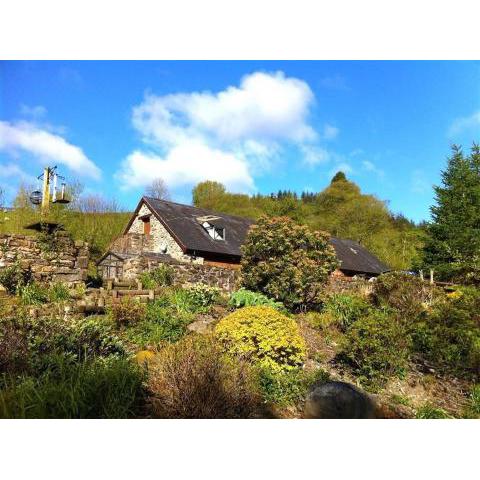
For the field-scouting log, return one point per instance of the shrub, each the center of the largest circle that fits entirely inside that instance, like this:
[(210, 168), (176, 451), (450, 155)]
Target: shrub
[(429, 411), (473, 408), (33, 294), (287, 262), (346, 308), (406, 293), (58, 292), (192, 379), (450, 335), (288, 388), (14, 348), (162, 324), (14, 277), (246, 298), (100, 388), (264, 336), (320, 320), (202, 295), (377, 347), (161, 276), (127, 311)]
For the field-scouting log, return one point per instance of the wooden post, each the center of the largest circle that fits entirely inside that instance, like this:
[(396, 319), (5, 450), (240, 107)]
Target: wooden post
[(151, 294), (114, 293), (431, 276), (139, 284), (46, 190), (421, 275)]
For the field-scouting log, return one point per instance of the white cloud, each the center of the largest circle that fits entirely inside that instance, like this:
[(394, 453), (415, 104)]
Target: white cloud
[(227, 136), (313, 155), (36, 111), (186, 164), (330, 132), (372, 168), (462, 124), (48, 147)]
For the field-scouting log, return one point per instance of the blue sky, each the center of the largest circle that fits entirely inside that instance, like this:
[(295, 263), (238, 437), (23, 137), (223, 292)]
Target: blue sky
[(255, 126)]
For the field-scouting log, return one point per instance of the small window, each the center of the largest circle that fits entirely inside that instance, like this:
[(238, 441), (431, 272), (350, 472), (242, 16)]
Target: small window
[(217, 233)]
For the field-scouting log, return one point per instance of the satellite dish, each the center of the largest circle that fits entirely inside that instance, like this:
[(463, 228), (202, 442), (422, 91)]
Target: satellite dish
[(36, 197)]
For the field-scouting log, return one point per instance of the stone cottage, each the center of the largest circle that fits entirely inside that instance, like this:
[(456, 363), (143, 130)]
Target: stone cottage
[(169, 232)]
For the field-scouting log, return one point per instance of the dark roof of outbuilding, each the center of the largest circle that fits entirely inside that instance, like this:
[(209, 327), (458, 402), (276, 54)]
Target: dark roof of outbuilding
[(355, 258), (183, 224)]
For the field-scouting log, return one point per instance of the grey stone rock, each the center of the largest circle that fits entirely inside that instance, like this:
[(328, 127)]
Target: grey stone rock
[(338, 400)]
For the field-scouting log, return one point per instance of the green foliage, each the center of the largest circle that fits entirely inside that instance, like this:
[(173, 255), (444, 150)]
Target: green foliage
[(450, 335), (406, 293), (287, 262), (246, 298), (429, 411), (203, 296), (193, 379), (127, 311), (473, 408), (163, 323), (14, 277), (264, 336), (346, 308), (377, 347), (98, 388), (58, 292), (33, 294), (453, 245), (342, 210), (206, 194), (162, 276), (288, 387), (339, 177)]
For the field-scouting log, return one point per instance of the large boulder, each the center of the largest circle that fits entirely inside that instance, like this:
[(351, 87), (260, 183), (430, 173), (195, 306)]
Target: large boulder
[(338, 400)]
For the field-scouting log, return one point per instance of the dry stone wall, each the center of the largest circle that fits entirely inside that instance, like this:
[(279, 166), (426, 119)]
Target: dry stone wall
[(185, 273), (55, 257)]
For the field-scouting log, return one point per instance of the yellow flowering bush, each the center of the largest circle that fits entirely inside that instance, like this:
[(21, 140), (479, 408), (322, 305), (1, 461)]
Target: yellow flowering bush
[(264, 336)]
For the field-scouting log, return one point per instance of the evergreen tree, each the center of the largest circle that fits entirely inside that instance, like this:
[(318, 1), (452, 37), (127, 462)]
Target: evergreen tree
[(453, 242), (339, 177)]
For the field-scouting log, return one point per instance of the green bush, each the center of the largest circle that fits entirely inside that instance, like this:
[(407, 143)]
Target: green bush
[(287, 262), (33, 294), (99, 388), (161, 276), (14, 277), (263, 335), (377, 347), (58, 292), (473, 408), (406, 293), (203, 296), (246, 298), (290, 387), (450, 335), (127, 311), (346, 308), (162, 324), (193, 379)]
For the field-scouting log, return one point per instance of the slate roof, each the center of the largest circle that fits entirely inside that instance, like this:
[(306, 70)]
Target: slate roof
[(357, 259), (181, 221)]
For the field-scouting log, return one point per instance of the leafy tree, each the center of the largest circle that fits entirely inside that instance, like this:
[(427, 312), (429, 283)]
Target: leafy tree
[(453, 244), (207, 194), (339, 177), (287, 262)]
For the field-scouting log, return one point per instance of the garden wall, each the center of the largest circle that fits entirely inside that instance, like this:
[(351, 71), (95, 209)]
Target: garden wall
[(185, 273), (55, 257)]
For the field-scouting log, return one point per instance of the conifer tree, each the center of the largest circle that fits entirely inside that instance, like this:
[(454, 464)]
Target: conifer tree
[(452, 248)]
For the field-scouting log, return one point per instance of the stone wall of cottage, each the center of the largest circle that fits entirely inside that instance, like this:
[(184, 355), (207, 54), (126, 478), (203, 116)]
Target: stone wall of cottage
[(52, 258), (160, 237), (340, 283), (184, 273)]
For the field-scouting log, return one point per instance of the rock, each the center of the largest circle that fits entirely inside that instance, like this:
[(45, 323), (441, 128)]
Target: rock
[(202, 326), (338, 400)]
